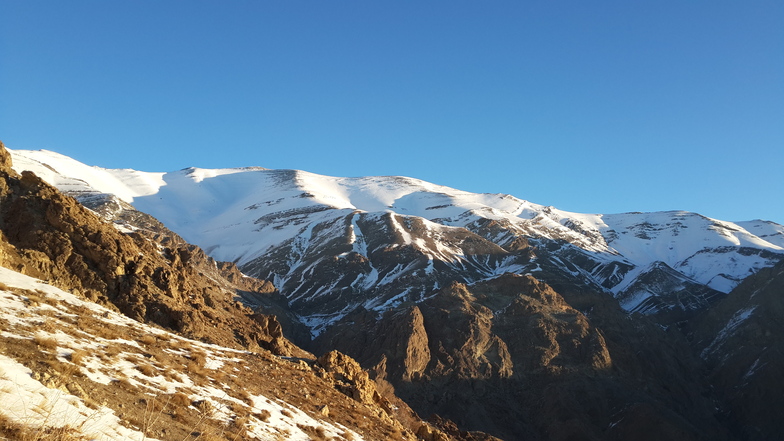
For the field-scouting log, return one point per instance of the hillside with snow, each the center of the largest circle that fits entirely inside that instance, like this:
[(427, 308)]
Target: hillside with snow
[(71, 369), (505, 316), (114, 336), (372, 232)]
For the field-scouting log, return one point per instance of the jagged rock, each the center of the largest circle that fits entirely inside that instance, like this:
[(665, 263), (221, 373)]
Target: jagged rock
[(5, 157), (350, 377), (441, 428), (53, 237), (426, 432), (509, 354), (511, 357), (157, 278), (324, 410)]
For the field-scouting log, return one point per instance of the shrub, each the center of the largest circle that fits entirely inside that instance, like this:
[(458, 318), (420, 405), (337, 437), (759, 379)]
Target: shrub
[(146, 369), (315, 433), (148, 339), (179, 399), (198, 357), (263, 416), (45, 341), (77, 356)]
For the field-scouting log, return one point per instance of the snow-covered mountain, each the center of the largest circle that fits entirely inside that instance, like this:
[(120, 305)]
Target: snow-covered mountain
[(113, 336), (332, 245), (499, 314)]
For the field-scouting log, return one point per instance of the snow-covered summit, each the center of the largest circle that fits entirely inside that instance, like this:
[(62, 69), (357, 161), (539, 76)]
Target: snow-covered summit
[(287, 224)]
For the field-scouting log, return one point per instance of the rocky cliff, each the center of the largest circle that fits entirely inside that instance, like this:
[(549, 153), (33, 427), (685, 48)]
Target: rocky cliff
[(511, 357)]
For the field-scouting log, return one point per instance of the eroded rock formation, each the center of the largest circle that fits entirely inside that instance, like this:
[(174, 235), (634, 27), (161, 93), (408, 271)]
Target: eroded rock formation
[(48, 235), (511, 357)]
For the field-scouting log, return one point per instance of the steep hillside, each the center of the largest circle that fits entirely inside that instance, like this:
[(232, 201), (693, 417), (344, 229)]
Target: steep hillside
[(511, 357), (508, 317), (50, 236), (741, 339), (73, 370), (185, 360), (332, 245)]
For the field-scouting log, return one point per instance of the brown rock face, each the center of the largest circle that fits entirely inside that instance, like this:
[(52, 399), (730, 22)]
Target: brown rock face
[(510, 357), (52, 237), (742, 339), (353, 380), (153, 276), (5, 157)]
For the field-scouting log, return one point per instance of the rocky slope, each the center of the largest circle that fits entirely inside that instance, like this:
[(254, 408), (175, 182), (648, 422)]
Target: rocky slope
[(50, 236), (331, 245), (185, 360), (741, 339), (520, 320), (74, 370), (511, 357)]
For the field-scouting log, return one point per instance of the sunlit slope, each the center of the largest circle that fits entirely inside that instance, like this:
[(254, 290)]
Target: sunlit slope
[(411, 235)]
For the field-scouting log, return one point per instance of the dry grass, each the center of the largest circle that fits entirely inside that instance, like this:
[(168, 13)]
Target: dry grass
[(126, 384), (246, 397), (204, 407), (47, 299), (176, 343), (263, 416), (175, 416), (12, 430), (172, 375), (45, 341), (146, 369), (238, 428), (199, 357), (77, 356), (315, 433), (179, 399), (95, 327), (220, 376), (148, 340), (32, 299), (198, 373), (65, 371)]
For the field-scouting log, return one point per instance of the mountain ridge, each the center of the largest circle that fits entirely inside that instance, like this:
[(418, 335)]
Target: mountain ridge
[(116, 334), (480, 307), (246, 215)]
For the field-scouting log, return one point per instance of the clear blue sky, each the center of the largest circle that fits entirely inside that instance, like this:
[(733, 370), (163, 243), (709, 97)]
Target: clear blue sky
[(589, 106)]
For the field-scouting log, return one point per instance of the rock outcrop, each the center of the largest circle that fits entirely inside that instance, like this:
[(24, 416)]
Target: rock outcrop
[(50, 236), (415, 289), (152, 275), (509, 356)]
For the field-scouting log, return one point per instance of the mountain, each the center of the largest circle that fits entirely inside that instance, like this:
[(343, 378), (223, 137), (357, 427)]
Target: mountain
[(134, 335), (381, 241), (740, 338), (516, 319)]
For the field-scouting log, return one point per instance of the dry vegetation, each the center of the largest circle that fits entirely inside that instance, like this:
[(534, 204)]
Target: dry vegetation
[(12, 430), (137, 359)]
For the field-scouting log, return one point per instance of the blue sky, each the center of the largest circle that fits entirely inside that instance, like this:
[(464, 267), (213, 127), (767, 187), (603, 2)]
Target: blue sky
[(606, 106)]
